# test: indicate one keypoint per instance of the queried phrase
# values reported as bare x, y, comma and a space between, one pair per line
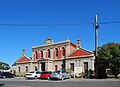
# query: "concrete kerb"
82, 79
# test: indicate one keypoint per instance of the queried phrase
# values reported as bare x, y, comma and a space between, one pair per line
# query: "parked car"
60, 74
45, 75
7, 75
33, 75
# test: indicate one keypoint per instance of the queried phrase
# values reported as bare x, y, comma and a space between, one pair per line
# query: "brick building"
53, 56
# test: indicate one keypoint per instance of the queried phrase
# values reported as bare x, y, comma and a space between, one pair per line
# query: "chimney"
78, 43
23, 52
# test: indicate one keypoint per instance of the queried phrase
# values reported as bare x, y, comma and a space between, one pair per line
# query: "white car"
33, 75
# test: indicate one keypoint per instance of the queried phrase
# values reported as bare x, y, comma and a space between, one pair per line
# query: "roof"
23, 59
72, 44
79, 53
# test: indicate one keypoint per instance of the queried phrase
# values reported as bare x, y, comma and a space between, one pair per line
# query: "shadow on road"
1, 85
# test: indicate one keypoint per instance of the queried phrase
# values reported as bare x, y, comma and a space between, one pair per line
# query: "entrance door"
86, 67
43, 66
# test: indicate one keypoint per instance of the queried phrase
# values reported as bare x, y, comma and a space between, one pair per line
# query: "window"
86, 67
72, 66
62, 66
38, 72
35, 68
55, 67
63, 51
36, 53
19, 69
63, 71
41, 52
48, 53
56, 52
26, 69
76, 63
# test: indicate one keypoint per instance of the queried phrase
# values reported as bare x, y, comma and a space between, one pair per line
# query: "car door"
67, 75
7, 75
38, 74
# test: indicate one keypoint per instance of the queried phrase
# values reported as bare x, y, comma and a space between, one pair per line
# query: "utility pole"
96, 45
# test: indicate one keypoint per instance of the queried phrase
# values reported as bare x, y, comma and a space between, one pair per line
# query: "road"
21, 82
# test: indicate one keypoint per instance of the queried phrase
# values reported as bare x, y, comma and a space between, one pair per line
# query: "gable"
23, 59
72, 47
80, 53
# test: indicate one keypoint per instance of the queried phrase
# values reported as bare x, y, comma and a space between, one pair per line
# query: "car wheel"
62, 78
35, 77
13, 76
69, 77
3, 77
48, 78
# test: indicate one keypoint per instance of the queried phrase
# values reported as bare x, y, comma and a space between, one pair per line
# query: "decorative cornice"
47, 45
85, 56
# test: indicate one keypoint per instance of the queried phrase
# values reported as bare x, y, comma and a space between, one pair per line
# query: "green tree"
114, 60
14, 64
4, 66
109, 57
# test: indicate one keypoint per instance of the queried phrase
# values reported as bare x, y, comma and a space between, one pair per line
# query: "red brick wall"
72, 47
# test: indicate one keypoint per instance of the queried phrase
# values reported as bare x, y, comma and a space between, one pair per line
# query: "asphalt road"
21, 82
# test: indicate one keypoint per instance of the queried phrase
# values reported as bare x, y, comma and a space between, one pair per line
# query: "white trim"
46, 45
85, 56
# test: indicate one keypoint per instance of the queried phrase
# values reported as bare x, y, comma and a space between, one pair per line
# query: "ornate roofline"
23, 62
85, 56
91, 53
46, 45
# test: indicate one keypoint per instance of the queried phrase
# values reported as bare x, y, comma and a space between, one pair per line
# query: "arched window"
41, 54
63, 51
56, 52
36, 53
48, 53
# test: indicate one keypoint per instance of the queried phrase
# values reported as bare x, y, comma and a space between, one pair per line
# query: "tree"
109, 57
4, 66
14, 64
114, 60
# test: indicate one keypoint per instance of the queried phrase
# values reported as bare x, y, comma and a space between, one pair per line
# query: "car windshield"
57, 72
32, 72
46, 73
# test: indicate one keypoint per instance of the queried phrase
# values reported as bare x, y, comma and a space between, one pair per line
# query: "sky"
54, 12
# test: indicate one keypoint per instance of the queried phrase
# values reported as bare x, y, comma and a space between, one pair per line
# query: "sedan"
6, 75
45, 75
60, 74
33, 75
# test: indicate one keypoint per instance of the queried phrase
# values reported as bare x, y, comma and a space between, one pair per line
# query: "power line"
112, 22
45, 24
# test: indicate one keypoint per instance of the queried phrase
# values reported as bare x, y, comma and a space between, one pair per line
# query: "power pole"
96, 45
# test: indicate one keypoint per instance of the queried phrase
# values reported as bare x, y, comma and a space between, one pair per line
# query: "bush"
85, 75
89, 74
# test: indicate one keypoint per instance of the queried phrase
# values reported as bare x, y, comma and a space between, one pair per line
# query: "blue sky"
15, 38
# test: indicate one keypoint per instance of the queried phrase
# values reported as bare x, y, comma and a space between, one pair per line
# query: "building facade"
56, 56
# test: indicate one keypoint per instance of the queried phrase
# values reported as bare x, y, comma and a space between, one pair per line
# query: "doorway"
43, 66
86, 67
